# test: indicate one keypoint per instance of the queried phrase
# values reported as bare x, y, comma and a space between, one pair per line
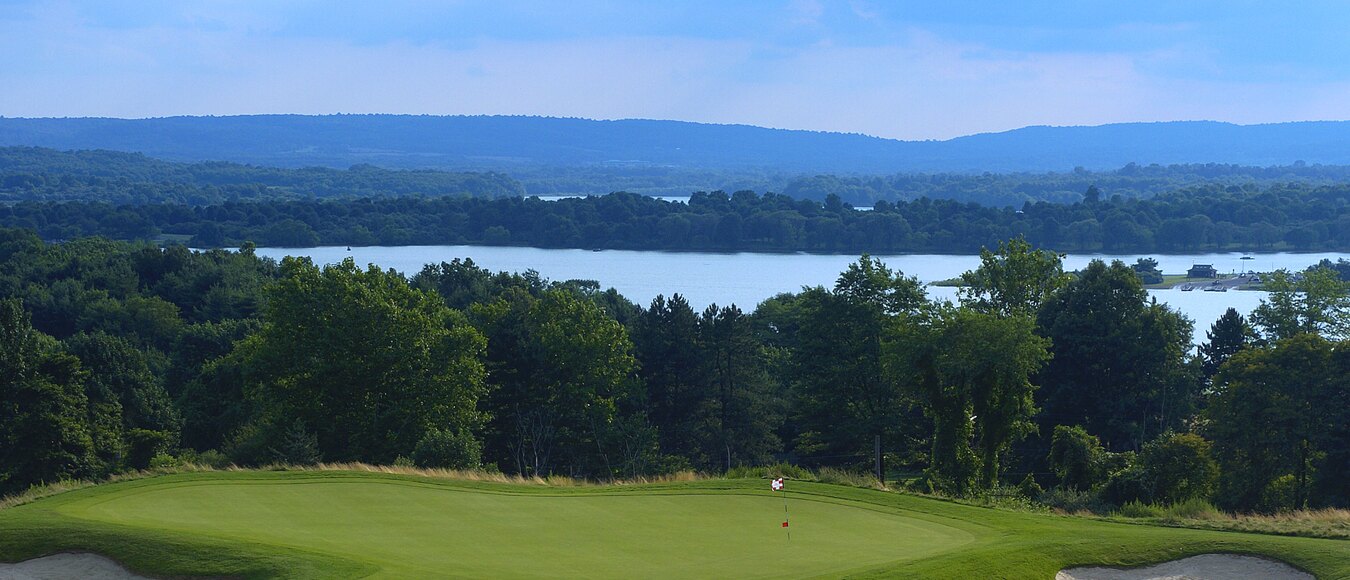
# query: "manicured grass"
350, 524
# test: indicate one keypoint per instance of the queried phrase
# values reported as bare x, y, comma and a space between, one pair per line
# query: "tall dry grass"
490, 476
40, 491
1197, 513
1321, 523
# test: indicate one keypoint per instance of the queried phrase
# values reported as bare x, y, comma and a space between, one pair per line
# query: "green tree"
297, 446
125, 396
841, 400
1332, 484
1093, 195
1147, 269
869, 282
1271, 417
364, 360
1229, 335
1016, 280
1316, 302
743, 407
448, 449
1119, 360
44, 413
1178, 467
564, 386
1076, 457
971, 374
118, 371
676, 372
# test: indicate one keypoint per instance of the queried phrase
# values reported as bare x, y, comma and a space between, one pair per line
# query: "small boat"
349, 248
1187, 287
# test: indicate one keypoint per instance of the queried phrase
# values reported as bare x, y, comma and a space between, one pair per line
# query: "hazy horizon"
901, 70
377, 114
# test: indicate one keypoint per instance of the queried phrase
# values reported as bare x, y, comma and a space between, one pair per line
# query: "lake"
746, 279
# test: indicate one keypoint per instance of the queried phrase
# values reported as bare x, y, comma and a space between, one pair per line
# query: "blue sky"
911, 70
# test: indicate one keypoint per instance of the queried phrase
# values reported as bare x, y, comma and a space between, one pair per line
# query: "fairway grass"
352, 524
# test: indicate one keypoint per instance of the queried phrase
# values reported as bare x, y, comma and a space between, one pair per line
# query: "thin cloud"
918, 83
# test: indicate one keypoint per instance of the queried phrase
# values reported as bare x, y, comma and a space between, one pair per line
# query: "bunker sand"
68, 565
1203, 567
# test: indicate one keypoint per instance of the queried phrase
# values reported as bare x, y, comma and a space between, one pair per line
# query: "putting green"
407, 528
342, 524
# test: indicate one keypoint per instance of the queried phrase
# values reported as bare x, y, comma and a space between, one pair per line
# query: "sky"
898, 69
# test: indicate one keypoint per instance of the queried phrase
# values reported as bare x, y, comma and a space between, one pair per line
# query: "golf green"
411, 529
339, 524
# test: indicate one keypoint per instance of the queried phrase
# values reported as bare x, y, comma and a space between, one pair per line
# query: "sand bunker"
1205, 567
67, 565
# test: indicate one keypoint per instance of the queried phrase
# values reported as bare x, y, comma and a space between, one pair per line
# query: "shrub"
668, 464
163, 460
1125, 486
449, 449
210, 458
1030, 488
786, 470
1137, 509
1278, 496
143, 445
1178, 467
248, 445
846, 477
297, 446
1193, 509
1004, 497
1071, 501
1075, 457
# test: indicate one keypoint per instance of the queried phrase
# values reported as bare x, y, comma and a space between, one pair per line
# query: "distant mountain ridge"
503, 142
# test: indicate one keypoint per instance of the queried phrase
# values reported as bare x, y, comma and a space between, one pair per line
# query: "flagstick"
785, 514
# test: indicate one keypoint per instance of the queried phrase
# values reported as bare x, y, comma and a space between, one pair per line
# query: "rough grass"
797, 473
1199, 514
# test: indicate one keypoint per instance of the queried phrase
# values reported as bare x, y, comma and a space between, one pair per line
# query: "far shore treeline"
1295, 217
1075, 391
1151, 209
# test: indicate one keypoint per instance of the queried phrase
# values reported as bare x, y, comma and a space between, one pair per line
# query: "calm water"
669, 198
746, 279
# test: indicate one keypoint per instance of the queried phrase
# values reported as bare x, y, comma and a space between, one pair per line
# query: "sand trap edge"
68, 564
1219, 566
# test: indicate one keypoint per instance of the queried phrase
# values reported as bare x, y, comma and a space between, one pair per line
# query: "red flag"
785, 524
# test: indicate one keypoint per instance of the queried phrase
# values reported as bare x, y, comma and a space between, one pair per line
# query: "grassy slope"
344, 524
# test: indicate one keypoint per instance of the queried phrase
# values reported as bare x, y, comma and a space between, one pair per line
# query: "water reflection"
746, 279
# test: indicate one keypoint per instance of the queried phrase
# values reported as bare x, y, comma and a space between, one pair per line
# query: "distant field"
348, 524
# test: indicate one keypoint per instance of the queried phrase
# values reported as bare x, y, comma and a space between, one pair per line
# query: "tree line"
42, 174
39, 174
1132, 181
1293, 217
125, 356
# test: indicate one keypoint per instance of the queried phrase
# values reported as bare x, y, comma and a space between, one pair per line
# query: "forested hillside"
501, 142
39, 174
1014, 189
